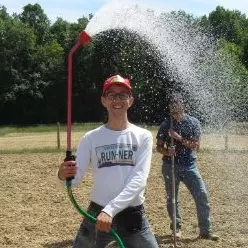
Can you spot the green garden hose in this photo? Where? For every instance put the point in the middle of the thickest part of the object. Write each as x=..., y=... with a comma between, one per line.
x=88, y=216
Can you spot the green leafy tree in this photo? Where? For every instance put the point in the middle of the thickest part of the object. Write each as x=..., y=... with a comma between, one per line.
x=34, y=17
x=60, y=31
x=34, y=57
x=228, y=24
x=3, y=13
x=17, y=44
x=230, y=54
x=245, y=52
x=49, y=61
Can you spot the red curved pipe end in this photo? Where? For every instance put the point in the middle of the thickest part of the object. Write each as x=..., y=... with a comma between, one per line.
x=84, y=38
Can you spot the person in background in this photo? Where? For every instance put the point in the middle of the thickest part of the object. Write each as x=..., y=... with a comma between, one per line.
x=186, y=133
x=119, y=153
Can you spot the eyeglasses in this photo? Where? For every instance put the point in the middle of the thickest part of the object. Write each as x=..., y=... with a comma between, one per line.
x=113, y=96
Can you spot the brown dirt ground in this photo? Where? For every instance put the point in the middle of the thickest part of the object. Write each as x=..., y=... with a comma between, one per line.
x=35, y=212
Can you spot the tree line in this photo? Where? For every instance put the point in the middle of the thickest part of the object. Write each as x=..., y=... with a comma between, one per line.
x=33, y=66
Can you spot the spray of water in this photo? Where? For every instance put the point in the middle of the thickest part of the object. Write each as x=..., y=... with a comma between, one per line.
x=189, y=55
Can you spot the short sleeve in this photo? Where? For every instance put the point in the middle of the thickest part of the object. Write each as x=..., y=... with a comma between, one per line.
x=163, y=131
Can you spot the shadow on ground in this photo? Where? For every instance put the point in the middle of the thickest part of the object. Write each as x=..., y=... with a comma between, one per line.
x=163, y=241
x=62, y=244
x=167, y=240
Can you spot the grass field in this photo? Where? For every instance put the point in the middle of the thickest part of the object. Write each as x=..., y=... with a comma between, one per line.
x=36, y=212
x=28, y=141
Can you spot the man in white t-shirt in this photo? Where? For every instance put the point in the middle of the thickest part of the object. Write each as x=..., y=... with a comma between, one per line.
x=120, y=157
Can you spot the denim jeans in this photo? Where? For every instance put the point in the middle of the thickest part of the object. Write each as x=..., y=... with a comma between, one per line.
x=88, y=237
x=192, y=179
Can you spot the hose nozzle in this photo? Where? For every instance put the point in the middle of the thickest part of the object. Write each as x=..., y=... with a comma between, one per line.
x=84, y=38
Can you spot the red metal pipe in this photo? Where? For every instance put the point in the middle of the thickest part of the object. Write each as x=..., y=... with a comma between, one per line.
x=69, y=94
x=84, y=39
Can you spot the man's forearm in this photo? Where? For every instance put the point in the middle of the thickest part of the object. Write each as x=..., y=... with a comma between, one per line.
x=163, y=151
x=191, y=144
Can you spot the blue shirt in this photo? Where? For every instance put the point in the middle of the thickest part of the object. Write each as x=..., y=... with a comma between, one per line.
x=190, y=129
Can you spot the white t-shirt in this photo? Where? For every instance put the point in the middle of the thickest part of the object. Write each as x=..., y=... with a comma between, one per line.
x=120, y=163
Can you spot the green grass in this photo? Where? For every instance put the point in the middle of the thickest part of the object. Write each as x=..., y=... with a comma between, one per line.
x=34, y=135
x=234, y=128
x=32, y=150
x=4, y=130
x=83, y=127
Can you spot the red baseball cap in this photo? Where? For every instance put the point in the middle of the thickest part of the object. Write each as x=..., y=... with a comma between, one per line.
x=116, y=80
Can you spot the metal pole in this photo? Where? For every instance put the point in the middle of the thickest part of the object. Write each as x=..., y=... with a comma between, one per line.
x=58, y=135
x=84, y=39
x=173, y=188
x=69, y=96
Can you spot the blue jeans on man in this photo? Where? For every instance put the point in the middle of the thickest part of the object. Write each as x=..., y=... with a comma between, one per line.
x=141, y=237
x=192, y=179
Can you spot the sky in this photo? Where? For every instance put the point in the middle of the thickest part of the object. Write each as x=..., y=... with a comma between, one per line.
x=71, y=10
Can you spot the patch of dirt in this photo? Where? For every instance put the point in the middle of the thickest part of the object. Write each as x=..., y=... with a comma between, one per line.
x=36, y=212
